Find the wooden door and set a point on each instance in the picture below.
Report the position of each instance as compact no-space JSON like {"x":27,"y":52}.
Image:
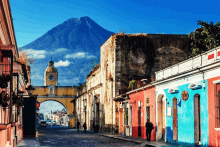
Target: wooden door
{"x":197,"y":119}
{"x":175,"y":118}
{"x":163,"y":119}
{"x":139,"y":122}
{"x":117,"y":120}
{"x":121,"y":120}
{"x":97,"y":113}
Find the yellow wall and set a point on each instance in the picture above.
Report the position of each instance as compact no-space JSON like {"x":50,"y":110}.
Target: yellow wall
{"x":54,"y":82}
{"x":60,"y":91}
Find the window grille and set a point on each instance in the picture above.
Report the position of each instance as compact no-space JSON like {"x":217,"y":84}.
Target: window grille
{"x":147,"y":100}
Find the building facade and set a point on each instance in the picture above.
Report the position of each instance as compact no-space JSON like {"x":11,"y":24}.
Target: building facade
{"x":190,"y":95}
{"x":127,"y":56}
{"x":14,"y":76}
{"x":62,"y":94}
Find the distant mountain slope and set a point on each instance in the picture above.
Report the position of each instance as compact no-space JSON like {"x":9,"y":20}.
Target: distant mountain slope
{"x":75,"y":33}
{"x":72,"y":46}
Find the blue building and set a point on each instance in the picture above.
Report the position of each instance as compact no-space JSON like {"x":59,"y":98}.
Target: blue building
{"x":182,"y":104}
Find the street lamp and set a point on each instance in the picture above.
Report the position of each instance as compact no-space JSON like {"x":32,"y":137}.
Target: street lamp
{"x":30,"y":90}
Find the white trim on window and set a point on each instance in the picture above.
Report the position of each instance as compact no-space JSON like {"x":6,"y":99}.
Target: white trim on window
{"x":216,"y":82}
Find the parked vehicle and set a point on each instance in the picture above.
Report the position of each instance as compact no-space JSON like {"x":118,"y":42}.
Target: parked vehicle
{"x":48,"y":122}
{"x":54,"y":122}
{"x":43,"y":124}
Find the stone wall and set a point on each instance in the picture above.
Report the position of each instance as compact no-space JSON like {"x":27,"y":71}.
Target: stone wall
{"x":139,"y":56}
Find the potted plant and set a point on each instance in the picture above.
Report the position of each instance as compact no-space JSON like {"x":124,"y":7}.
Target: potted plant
{"x":4,"y":98}
{"x":4,"y":79}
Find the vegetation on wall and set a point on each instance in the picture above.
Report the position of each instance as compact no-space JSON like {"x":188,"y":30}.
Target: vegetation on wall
{"x":132,"y":83}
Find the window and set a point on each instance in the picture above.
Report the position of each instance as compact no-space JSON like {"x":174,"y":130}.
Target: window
{"x":51,"y":91}
{"x":126,"y":116}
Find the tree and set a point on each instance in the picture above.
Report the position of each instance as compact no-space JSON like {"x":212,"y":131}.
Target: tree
{"x":205,"y":38}
{"x":25,"y":58}
{"x":94,"y":63}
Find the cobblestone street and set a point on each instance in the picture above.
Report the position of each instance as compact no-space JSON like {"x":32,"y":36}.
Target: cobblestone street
{"x":70,"y":137}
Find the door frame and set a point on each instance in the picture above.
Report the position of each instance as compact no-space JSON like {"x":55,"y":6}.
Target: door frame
{"x":161,"y":96}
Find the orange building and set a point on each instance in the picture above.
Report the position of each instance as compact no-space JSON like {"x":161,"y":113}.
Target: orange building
{"x":134,"y":108}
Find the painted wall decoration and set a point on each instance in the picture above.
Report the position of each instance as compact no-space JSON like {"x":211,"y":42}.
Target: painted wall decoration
{"x":185,"y":95}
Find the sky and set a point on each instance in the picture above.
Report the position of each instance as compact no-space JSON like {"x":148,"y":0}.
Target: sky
{"x":33,"y":18}
{"x":48,"y":106}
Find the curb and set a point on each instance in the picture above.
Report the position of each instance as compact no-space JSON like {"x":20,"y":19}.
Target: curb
{"x":124,"y":139}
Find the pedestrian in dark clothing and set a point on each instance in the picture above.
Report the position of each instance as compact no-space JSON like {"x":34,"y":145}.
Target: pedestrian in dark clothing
{"x":149,"y":127}
{"x":78,"y":124}
{"x":93,"y":125}
{"x":84,"y":126}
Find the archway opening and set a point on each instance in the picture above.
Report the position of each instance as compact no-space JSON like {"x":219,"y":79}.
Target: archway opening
{"x":53,"y":113}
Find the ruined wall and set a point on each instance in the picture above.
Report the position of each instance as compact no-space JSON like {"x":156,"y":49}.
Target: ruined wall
{"x":142,"y":54}
{"x":108,"y":80}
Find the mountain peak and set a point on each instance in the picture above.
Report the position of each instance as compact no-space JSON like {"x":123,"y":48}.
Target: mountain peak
{"x":75,"y":35}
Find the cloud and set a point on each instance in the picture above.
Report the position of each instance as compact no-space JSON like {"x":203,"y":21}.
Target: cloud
{"x":37,"y":76}
{"x":73,"y":81}
{"x":62,"y":63}
{"x":37,"y":54}
{"x":59,"y":50}
{"x":80,"y":55}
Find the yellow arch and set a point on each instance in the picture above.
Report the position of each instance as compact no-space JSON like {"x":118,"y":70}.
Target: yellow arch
{"x":66,"y":102}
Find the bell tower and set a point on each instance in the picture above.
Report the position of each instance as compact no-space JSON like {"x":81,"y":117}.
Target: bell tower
{"x":50,"y":75}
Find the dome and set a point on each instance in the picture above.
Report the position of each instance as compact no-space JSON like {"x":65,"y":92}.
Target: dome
{"x":51,"y":62}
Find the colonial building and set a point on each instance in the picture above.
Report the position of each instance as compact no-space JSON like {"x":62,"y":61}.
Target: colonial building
{"x":88,"y":104}
{"x":188,"y":92}
{"x":14,"y":77}
{"x":135,"y":56}
{"x":61,"y":94}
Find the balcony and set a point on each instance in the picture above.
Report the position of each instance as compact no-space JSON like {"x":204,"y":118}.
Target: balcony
{"x":196,"y":62}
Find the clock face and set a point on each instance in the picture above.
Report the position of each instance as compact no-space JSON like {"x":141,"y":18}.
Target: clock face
{"x":51,"y":77}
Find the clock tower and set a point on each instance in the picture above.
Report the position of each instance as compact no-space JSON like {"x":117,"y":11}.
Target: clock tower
{"x":50,"y":75}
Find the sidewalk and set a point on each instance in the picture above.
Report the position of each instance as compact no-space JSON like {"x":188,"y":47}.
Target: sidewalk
{"x":29,"y":142}
{"x":139,"y":141}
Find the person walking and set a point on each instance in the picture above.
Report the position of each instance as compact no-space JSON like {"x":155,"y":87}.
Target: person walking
{"x":84,"y":126}
{"x":78,"y":124}
{"x":149,"y":127}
